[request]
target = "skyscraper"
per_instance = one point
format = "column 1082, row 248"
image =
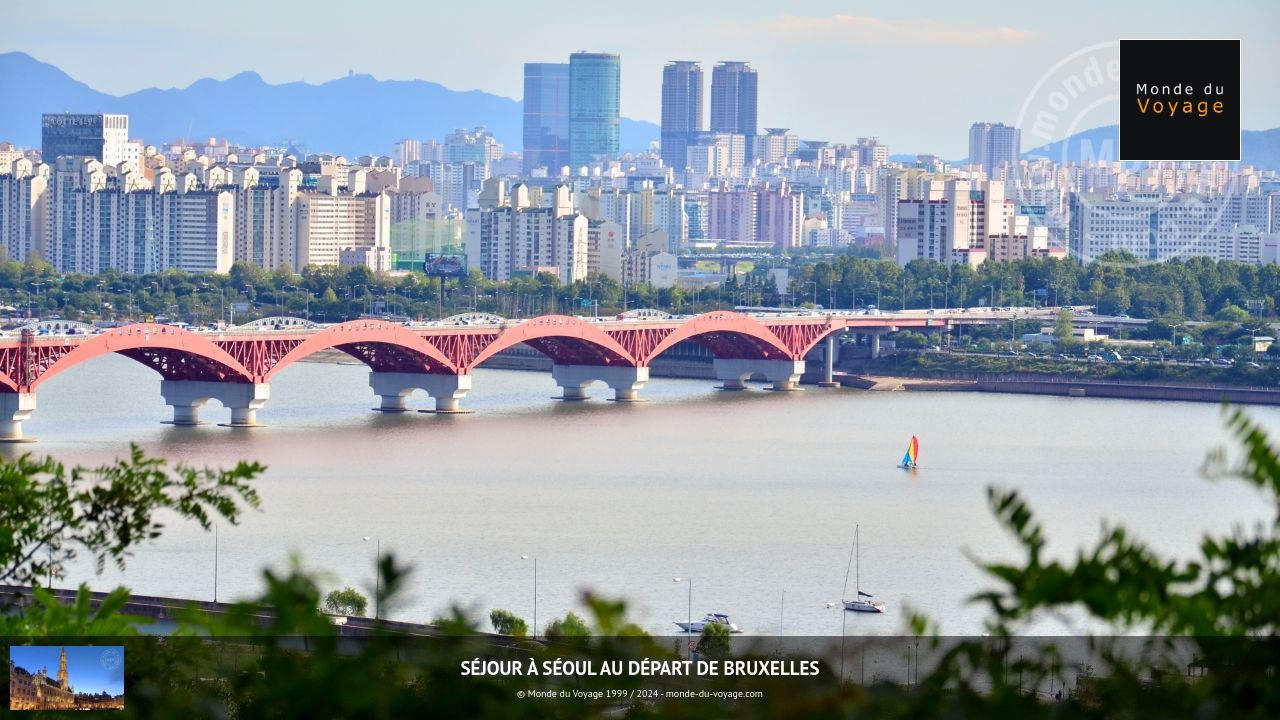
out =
column 595, row 81
column 101, row 137
column 734, row 88
column 546, row 116
column 681, row 110
column 991, row 145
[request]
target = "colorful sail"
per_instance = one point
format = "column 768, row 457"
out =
column 913, row 452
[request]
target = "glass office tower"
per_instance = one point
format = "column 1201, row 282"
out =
column 595, row 81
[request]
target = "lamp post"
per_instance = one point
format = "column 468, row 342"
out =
column 215, row 562
column 377, row 587
column 815, row 293
column 689, row 626
column 534, row 558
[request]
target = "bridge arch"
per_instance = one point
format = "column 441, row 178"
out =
column 175, row 353
column 566, row 340
column 474, row 318
column 728, row 335
column 646, row 314
column 58, row 327
column 382, row 345
column 279, row 322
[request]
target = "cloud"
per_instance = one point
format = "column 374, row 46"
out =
column 870, row 30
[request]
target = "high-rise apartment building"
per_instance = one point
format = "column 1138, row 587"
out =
column 329, row 223
column 681, row 110
column 994, row 145
column 1159, row 226
column 102, row 137
column 22, row 208
column 734, row 102
column 775, row 146
column 595, row 82
column 508, row 233
column 546, row 117
column 957, row 221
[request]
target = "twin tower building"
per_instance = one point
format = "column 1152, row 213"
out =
column 572, row 113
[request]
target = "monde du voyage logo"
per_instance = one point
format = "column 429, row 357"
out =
column 1180, row 100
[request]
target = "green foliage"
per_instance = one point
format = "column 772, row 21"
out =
column 570, row 626
column 1063, row 326
column 1232, row 314
column 506, row 622
column 347, row 601
column 958, row 365
column 49, row 515
column 910, row 340
column 47, row 617
column 714, row 641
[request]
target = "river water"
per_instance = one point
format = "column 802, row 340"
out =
column 753, row 495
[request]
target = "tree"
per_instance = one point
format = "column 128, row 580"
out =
column 1232, row 313
column 49, row 514
column 714, row 641
column 571, row 626
column 1063, row 325
column 506, row 622
column 347, row 601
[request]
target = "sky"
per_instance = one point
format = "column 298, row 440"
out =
column 87, row 669
column 915, row 74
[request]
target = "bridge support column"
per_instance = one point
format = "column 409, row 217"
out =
column 784, row 374
column 626, row 381
column 875, row 345
column 14, row 409
column 829, row 362
column 395, row 387
column 188, row 396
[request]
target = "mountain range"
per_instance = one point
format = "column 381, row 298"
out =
column 344, row 115
column 1259, row 148
column 353, row 115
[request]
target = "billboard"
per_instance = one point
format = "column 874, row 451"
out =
column 445, row 265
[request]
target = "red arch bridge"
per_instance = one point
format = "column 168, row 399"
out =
column 235, row 365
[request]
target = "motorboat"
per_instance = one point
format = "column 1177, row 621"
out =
column 709, row 619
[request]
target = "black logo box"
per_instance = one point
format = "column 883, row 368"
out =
column 1188, row 66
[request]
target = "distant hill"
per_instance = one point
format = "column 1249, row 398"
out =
column 1259, row 148
column 353, row 115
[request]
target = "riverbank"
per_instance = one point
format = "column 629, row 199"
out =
column 882, row 376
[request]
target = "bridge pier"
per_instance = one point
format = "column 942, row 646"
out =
column 188, row 396
column 829, row 362
column 875, row 345
column 394, row 388
column 626, row 381
column 14, row 409
column 734, row 372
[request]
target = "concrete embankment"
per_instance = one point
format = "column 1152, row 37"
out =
column 1108, row 389
column 863, row 378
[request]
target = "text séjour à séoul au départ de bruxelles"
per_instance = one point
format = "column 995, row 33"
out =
column 1175, row 105
column 644, row 668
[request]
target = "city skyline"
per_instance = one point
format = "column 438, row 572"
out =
column 815, row 61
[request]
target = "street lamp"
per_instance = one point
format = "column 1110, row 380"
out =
column 689, row 626
column 215, row 562
column 815, row 293
column 535, row 592
column 377, row 588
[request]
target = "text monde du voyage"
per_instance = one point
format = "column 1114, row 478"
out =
column 1181, row 99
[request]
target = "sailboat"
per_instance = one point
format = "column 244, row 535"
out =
column 913, row 452
column 858, row 603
